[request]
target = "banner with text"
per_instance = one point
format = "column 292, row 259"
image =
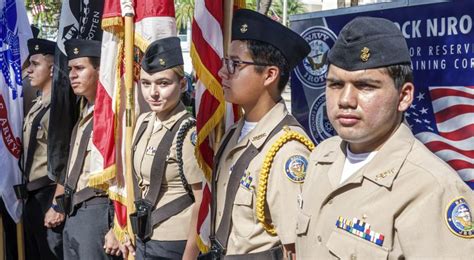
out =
column 440, row 38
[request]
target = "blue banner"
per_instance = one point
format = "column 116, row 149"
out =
column 440, row 38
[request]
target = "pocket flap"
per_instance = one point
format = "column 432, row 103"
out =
column 302, row 223
column 243, row 197
column 348, row 246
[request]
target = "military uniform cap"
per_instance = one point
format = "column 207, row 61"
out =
column 367, row 43
column 41, row 46
column 251, row 25
column 162, row 54
column 78, row 48
column 35, row 31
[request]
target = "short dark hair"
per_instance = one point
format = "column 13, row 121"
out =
column 95, row 62
column 401, row 74
column 262, row 52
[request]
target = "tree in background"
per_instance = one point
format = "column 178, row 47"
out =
column 275, row 10
column 45, row 15
column 184, row 13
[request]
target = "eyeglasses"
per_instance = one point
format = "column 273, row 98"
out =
column 231, row 64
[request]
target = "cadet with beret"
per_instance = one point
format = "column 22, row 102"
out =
column 87, row 208
column 374, row 191
column 41, row 242
column 261, row 163
column 167, row 178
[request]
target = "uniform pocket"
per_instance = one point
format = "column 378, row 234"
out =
column 302, row 223
column 348, row 246
column 243, row 197
column 243, row 215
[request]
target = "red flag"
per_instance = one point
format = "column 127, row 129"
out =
column 153, row 20
column 207, row 50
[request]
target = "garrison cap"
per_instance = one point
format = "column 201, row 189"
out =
column 162, row 54
column 367, row 43
column 35, row 31
column 41, row 46
column 78, row 48
column 251, row 25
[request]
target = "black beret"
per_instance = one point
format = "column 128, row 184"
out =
column 78, row 48
column 367, row 43
column 251, row 25
column 41, row 46
column 162, row 54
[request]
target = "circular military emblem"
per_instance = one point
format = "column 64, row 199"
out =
column 459, row 218
column 318, row 121
column 295, row 168
column 194, row 138
column 313, row 70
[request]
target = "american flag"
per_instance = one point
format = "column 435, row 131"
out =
column 442, row 117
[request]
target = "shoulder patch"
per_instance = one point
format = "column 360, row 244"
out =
column 459, row 218
column 194, row 138
column 295, row 168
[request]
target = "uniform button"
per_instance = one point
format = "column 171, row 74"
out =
column 320, row 239
column 220, row 214
column 353, row 257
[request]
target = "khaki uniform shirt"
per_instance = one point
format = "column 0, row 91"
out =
column 39, row 164
column 85, row 119
column 177, row 226
column 403, row 194
column 247, row 234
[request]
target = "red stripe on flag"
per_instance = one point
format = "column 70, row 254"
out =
column 153, row 8
column 453, row 111
column 436, row 146
column 460, row 164
column 112, row 9
column 215, row 9
column 204, row 207
column 208, row 57
column 444, row 92
column 121, row 213
column 460, row 134
column 103, row 137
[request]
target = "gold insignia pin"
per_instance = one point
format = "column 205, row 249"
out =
column 76, row 51
column 162, row 62
column 37, row 47
column 365, row 54
column 384, row 174
column 244, row 28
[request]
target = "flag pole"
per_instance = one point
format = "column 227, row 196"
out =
column 129, row 116
column 228, row 11
column 20, row 240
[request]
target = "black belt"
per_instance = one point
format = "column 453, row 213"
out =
column 87, row 194
column 38, row 183
column 94, row 201
column 275, row 253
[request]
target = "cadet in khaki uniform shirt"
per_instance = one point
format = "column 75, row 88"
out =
column 374, row 191
column 41, row 242
column 261, row 164
column 88, row 220
column 178, row 180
